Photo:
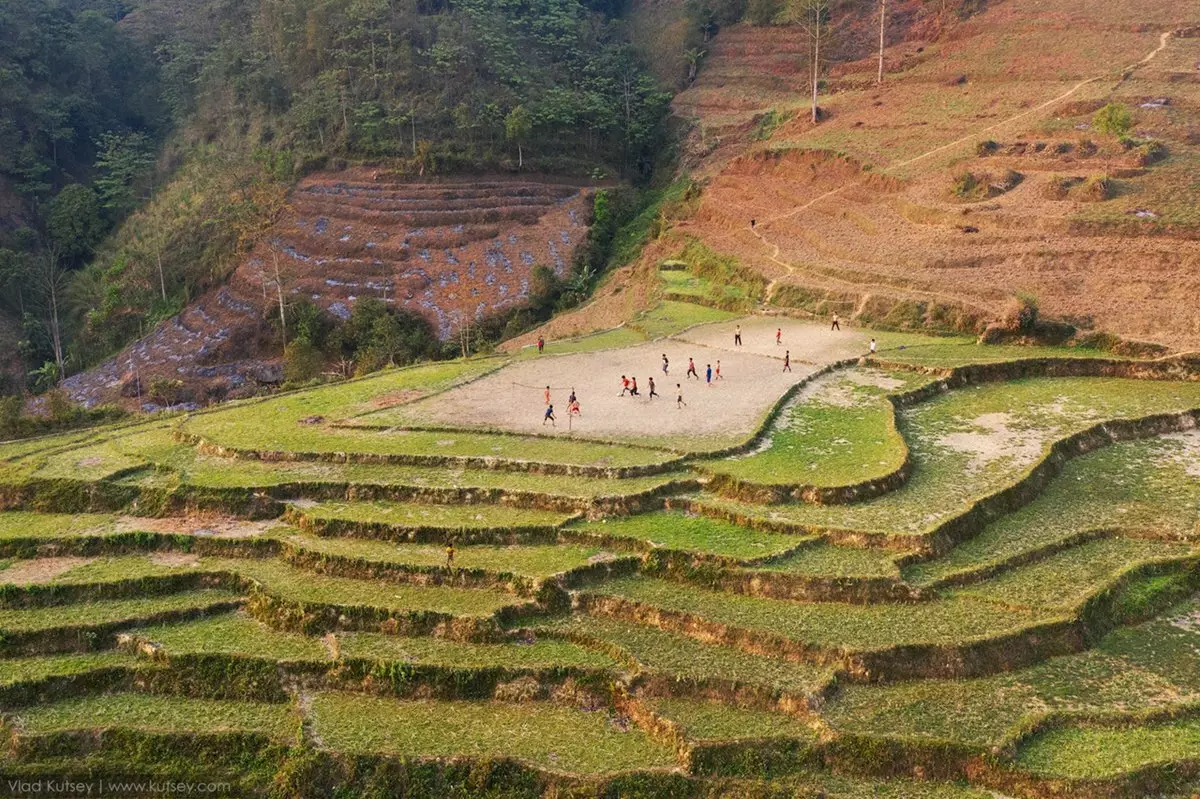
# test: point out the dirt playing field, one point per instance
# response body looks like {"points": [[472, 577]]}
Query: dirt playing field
{"points": [[725, 413]]}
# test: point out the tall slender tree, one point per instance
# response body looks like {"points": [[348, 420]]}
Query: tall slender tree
{"points": [[882, 30]]}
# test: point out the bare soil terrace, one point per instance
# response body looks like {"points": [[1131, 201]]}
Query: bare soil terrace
{"points": [[724, 414]]}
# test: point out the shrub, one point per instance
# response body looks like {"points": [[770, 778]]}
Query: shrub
{"points": [[986, 148], [1097, 188], [1020, 313], [165, 391], [965, 184], [1063, 147], [1114, 120], [1059, 188], [301, 361], [1087, 147], [1150, 152]]}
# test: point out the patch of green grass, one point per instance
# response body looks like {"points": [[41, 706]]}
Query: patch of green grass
{"points": [[537, 561], [827, 560], [541, 653], [105, 611], [190, 468], [854, 627], [670, 318], [168, 714], [975, 441], [840, 431], [1066, 580], [23, 524], [714, 721], [950, 354], [1147, 666], [407, 515], [547, 736], [14, 670], [1132, 485], [613, 339], [686, 658], [296, 585], [679, 531], [124, 567], [233, 634], [1095, 753]]}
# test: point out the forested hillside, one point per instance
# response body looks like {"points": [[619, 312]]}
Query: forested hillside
{"points": [[146, 144]]}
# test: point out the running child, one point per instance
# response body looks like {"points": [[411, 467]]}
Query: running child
{"points": [[633, 392], [549, 417], [778, 336], [666, 365], [691, 372], [708, 375], [872, 346], [573, 407], [541, 345], [787, 361], [679, 403], [719, 370], [653, 393], [547, 395], [624, 385]]}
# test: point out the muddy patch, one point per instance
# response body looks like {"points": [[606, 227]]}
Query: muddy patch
{"points": [[1188, 622], [40, 570], [1186, 450], [992, 438], [874, 378], [214, 526]]}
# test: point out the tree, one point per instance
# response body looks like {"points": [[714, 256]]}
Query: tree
{"points": [[74, 223], [517, 127], [882, 30], [813, 15], [693, 56], [50, 279], [1113, 120], [124, 162]]}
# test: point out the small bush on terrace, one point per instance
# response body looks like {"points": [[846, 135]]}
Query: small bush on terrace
{"points": [[1021, 313]]}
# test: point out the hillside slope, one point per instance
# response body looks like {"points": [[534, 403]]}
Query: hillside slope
{"points": [[859, 213], [452, 251]]}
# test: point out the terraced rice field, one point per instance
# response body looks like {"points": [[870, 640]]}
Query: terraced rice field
{"points": [[913, 576]]}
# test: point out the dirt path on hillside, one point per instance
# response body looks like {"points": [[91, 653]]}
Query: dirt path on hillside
{"points": [[775, 251]]}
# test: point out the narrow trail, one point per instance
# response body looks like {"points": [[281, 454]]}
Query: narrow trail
{"points": [[775, 251]]}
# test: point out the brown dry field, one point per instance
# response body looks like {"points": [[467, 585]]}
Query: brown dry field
{"points": [[726, 413], [880, 221]]}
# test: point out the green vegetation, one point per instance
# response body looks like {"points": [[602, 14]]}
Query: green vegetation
{"points": [[534, 561], [670, 318], [840, 431], [854, 627], [542, 653], [109, 611], [408, 516], [686, 533], [827, 560], [713, 279], [968, 443], [1135, 486], [31, 669], [1096, 752], [232, 634], [22, 524], [684, 658], [713, 721], [547, 736], [162, 714], [949, 354]]}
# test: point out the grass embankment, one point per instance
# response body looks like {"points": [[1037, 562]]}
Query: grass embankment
{"points": [[672, 530], [839, 431], [1140, 486], [547, 736], [109, 611], [685, 658], [164, 714], [1150, 666], [714, 721], [852, 627], [969, 443]]}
